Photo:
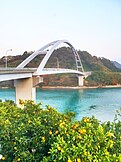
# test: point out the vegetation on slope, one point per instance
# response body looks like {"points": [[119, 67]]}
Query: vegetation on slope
{"points": [[66, 60], [45, 135], [63, 57], [100, 78]]}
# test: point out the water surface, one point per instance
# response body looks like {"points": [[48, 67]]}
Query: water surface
{"points": [[102, 103]]}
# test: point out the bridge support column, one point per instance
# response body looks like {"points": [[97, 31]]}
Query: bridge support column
{"points": [[25, 90], [80, 80]]}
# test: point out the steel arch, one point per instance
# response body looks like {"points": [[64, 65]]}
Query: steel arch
{"points": [[54, 44]]}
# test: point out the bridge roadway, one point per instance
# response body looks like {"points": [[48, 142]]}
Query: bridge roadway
{"points": [[14, 73], [15, 70]]}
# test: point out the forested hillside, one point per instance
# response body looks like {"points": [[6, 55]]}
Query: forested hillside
{"points": [[66, 60], [63, 58]]}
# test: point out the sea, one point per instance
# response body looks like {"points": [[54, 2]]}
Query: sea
{"points": [[99, 102]]}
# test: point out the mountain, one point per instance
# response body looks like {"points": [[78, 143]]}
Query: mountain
{"points": [[117, 65], [93, 63], [104, 71], [64, 58]]}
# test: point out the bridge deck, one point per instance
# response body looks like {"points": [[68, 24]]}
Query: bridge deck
{"points": [[14, 73], [17, 71], [33, 71]]}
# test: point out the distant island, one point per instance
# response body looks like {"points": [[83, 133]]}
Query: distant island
{"points": [[104, 71]]}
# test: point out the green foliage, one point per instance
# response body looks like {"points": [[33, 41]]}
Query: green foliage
{"points": [[93, 63], [32, 134], [103, 78]]}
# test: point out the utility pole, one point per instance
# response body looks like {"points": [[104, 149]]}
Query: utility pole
{"points": [[6, 59]]}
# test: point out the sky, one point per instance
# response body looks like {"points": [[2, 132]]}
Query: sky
{"points": [[89, 25]]}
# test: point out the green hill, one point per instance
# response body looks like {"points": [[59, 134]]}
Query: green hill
{"points": [[65, 59], [103, 70]]}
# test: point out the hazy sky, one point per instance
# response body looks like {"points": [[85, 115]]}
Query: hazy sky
{"points": [[90, 25]]}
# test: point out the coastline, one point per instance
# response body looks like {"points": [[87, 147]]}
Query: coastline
{"points": [[78, 87], [69, 87]]}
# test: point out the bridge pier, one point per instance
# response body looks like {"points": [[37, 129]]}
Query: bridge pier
{"points": [[80, 81], [25, 90]]}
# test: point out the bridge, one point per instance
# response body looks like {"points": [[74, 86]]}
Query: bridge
{"points": [[26, 79]]}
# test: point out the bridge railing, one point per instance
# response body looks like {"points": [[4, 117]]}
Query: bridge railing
{"points": [[56, 69], [14, 70]]}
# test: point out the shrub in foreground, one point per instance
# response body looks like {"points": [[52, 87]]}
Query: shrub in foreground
{"points": [[34, 134]]}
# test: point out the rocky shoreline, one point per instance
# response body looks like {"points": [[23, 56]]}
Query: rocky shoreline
{"points": [[69, 87], [83, 87]]}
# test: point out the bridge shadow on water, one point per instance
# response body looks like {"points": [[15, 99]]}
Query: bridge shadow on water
{"points": [[72, 103]]}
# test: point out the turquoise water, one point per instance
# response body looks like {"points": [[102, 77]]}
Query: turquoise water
{"points": [[101, 103]]}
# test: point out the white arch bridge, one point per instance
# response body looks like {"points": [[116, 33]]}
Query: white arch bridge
{"points": [[26, 79]]}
